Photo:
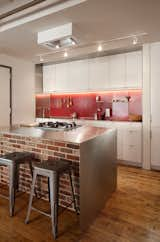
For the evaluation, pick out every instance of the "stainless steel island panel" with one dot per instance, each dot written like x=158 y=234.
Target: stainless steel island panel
x=98 y=175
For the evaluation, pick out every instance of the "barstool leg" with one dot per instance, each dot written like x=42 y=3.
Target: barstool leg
x=16 y=177
x=31 y=168
x=73 y=195
x=31 y=196
x=11 y=189
x=49 y=196
x=53 y=182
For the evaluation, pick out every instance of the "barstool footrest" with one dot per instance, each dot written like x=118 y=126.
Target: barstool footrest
x=40 y=211
x=3 y=196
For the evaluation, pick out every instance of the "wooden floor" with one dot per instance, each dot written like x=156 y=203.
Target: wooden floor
x=131 y=215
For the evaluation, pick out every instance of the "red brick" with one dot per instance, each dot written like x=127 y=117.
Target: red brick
x=73 y=157
x=48 y=142
x=16 y=146
x=73 y=146
x=65 y=150
x=16 y=137
x=12 y=140
x=36 y=150
x=20 y=142
x=7 y=135
x=52 y=148
x=59 y=154
x=41 y=146
x=60 y=144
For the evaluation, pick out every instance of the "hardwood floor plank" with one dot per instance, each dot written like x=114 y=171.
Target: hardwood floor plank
x=131 y=215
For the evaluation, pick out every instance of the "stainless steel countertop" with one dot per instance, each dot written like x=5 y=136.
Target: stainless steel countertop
x=78 y=135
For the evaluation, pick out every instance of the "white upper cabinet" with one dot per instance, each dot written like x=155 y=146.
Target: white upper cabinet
x=77 y=75
x=117 y=71
x=101 y=73
x=98 y=73
x=62 y=77
x=134 y=69
x=49 y=78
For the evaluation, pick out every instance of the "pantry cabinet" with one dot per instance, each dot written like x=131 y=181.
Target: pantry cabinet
x=155 y=104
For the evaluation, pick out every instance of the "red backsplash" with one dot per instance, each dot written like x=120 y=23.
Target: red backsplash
x=85 y=105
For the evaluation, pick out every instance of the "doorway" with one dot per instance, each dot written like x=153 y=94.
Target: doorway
x=5 y=96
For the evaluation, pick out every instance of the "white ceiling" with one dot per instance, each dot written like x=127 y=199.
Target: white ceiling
x=96 y=21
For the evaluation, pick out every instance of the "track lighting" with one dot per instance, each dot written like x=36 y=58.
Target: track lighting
x=57 y=46
x=99 y=48
x=41 y=58
x=135 y=40
x=65 y=54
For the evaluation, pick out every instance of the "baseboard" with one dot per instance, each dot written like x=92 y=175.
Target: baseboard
x=130 y=163
x=156 y=168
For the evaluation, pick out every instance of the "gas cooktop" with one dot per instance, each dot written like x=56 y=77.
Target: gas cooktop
x=58 y=125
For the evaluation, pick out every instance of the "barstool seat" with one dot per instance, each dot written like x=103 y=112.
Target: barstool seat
x=12 y=161
x=51 y=169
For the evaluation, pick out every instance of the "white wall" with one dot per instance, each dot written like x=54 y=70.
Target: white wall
x=23 y=89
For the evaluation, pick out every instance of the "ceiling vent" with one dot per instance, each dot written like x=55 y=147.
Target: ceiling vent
x=59 y=37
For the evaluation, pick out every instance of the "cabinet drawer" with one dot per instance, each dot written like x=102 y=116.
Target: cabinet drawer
x=132 y=153
x=133 y=137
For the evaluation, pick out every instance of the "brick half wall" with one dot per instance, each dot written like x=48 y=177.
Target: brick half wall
x=42 y=149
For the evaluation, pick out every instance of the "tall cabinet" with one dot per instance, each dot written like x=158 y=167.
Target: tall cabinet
x=155 y=104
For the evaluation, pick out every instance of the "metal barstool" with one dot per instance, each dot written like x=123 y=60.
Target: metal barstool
x=52 y=169
x=13 y=161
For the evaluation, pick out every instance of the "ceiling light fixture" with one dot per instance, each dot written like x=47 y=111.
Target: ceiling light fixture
x=57 y=46
x=62 y=36
x=99 y=48
x=65 y=54
x=41 y=58
x=132 y=38
x=135 y=40
x=73 y=42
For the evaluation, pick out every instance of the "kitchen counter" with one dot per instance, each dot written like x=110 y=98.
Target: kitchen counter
x=92 y=152
x=77 y=135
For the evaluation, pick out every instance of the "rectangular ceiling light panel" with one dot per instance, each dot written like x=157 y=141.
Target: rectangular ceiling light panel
x=61 y=36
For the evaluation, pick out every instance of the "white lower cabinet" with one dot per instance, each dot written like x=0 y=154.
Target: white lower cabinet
x=155 y=147
x=129 y=140
x=130 y=144
x=120 y=144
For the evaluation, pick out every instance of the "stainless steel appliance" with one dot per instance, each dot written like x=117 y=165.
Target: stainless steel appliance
x=58 y=125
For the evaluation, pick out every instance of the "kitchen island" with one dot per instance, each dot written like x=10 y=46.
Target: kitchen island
x=91 y=150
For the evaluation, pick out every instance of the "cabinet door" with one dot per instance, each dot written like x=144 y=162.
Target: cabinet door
x=132 y=145
x=155 y=104
x=117 y=71
x=78 y=76
x=49 y=78
x=120 y=135
x=98 y=73
x=155 y=149
x=62 y=77
x=134 y=69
